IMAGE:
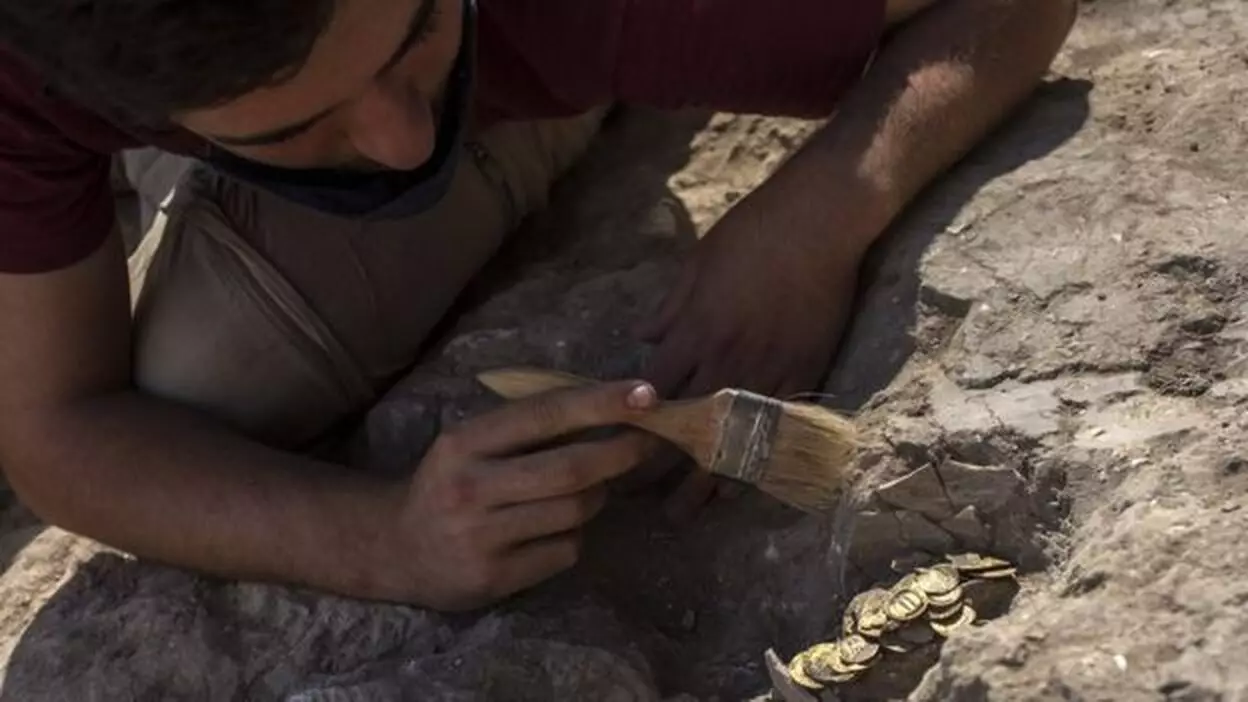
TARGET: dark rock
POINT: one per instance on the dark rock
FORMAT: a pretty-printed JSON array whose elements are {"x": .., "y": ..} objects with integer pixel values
[
  {"x": 908, "y": 562},
  {"x": 876, "y": 535},
  {"x": 920, "y": 532},
  {"x": 991, "y": 598}
]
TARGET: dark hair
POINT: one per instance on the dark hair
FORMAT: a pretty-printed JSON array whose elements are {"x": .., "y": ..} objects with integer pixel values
[{"x": 141, "y": 61}]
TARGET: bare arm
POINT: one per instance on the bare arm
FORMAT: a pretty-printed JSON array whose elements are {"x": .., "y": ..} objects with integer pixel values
[
  {"x": 91, "y": 455},
  {"x": 764, "y": 299},
  {"x": 479, "y": 520},
  {"x": 951, "y": 71}
]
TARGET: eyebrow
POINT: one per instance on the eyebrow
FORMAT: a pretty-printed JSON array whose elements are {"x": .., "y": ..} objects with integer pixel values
[{"x": 416, "y": 31}]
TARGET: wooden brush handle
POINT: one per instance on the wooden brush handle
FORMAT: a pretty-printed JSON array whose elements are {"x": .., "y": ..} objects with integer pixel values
[
  {"x": 690, "y": 424},
  {"x": 521, "y": 383}
]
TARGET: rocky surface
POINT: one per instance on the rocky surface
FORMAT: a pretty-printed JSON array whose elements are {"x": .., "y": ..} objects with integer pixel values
[{"x": 1050, "y": 352}]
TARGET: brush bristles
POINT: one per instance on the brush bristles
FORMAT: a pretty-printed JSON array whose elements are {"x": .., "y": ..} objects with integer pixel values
[{"x": 812, "y": 458}]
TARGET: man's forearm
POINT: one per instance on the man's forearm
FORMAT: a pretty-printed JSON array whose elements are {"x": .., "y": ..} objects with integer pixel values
[
  {"x": 162, "y": 483},
  {"x": 939, "y": 85}
]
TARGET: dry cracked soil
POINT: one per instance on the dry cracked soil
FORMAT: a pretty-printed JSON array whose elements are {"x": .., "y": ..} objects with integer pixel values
[{"x": 1051, "y": 353}]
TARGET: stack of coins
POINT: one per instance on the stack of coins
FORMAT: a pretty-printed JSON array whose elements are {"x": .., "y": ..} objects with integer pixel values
[{"x": 927, "y": 603}]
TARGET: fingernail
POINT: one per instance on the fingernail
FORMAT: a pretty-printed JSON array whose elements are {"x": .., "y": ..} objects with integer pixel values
[{"x": 642, "y": 397}]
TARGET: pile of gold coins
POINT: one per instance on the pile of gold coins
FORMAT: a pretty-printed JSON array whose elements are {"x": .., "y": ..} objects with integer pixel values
[{"x": 928, "y": 602}]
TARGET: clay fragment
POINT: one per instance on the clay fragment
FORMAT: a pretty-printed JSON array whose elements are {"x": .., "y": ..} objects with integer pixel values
[
  {"x": 987, "y": 488},
  {"x": 967, "y": 528},
  {"x": 921, "y": 533},
  {"x": 918, "y": 491}
]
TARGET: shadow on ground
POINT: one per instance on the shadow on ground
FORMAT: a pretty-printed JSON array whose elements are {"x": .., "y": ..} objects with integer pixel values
[{"x": 881, "y": 340}]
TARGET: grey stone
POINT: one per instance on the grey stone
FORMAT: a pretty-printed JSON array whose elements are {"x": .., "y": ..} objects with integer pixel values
[
  {"x": 1099, "y": 390},
  {"x": 1234, "y": 389},
  {"x": 875, "y": 537},
  {"x": 951, "y": 282},
  {"x": 1032, "y": 410},
  {"x": 919, "y": 532},
  {"x": 912, "y": 438},
  {"x": 967, "y": 528},
  {"x": 1140, "y": 422},
  {"x": 956, "y": 410},
  {"x": 920, "y": 491},
  {"x": 987, "y": 488}
]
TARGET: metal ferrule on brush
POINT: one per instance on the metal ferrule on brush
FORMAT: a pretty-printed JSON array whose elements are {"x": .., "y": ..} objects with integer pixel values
[{"x": 746, "y": 435}]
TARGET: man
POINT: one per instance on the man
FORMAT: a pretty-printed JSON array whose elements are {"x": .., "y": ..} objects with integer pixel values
[{"x": 358, "y": 161}]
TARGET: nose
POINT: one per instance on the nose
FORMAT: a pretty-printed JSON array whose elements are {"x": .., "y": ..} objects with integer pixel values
[{"x": 393, "y": 125}]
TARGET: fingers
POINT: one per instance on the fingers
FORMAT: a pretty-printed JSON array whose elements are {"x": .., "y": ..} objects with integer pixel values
[
  {"x": 536, "y": 520},
  {"x": 551, "y": 415},
  {"x": 563, "y": 471},
  {"x": 533, "y": 563}
]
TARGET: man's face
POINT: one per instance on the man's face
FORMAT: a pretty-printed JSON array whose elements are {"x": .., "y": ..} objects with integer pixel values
[{"x": 368, "y": 97}]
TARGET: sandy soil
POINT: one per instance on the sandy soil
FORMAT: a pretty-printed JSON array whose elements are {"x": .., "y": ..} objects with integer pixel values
[{"x": 1051, "y": 349}]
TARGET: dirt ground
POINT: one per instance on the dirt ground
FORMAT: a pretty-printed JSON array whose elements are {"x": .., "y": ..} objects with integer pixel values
[{"x": 1051, "y": 354}]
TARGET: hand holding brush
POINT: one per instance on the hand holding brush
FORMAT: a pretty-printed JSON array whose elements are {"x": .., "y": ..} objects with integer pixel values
[{"x": 798, "y": 453}]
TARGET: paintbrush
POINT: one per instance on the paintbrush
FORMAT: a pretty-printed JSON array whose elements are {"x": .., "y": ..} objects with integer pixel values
[{"x": 801, "y": 454}]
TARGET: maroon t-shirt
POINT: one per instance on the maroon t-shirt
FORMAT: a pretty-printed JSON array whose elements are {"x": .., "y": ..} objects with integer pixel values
[{"x": 536, "y": 59}]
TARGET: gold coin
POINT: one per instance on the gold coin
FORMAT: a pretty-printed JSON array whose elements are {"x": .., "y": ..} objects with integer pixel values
[
  {"x": 937, "y": 580},
  {"x": 826, "y": 665},
  {"x": 975, "y": 563},
  {"x": 908, "y": 582},
  {"x": 875, "y": 597},
  {"x": 797, "y": 671},
  {"x": 853, "y": 610},
  {"x": 906, "y": 605},
  {"x": 945, "y": 629},
  {"x": 838, "y": 678},
  {"x": 945, "y": 614},
  {"x": 996, "y": 573},
  {"x": 873, "y": 616},
  {"x": 947, "y": 599},
  {"x": 855, "y": 650},
  {"x": 871, "y": 633}
]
